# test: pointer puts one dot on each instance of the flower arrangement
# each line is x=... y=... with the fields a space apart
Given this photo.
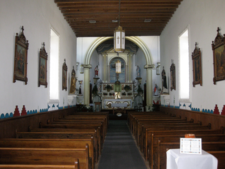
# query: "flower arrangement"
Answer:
x=127 y=88
x=108 y=88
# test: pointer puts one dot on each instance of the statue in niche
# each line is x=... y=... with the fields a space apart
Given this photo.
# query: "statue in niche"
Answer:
x=96 y=71
x=73 y=82
x=138 y=71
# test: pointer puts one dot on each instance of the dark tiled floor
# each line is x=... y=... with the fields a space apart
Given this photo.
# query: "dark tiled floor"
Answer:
x=119 y=149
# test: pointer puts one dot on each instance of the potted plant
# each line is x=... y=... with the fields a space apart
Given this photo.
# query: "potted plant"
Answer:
x=108 y=88
x=127 y=88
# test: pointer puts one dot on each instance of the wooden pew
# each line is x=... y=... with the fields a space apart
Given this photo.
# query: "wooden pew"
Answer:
x=77 y=126
x=220 y=155
x=138 y=126
x=143 y=127
x=50 y=143
x=82 y=121
x=26 y=166
x=95 y=132
x=163 y=147
x=148 y=116
x=149 y=146
x=45 y=156
x=94 y=149
x=93 y=118
x=149 y=131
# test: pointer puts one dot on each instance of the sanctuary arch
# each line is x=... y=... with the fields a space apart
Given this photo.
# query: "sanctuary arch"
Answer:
x=149 y=66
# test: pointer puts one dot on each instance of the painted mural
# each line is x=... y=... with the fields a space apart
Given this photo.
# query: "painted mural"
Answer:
x=122 y=75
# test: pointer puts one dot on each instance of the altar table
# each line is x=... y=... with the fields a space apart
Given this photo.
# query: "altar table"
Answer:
x=119 y=107
x=175 y=160
x=107 y=103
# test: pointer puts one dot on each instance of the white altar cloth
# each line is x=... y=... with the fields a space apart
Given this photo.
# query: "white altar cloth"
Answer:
x=117 y=101
x=175 y=160
x=119 y=105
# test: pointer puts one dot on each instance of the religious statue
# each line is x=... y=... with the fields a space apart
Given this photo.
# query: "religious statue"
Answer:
x=117 y=89
x=73 y=82
x=80 y=90
x=96 y=71
x=156 y=91
x=164 y=83
x=138 y=71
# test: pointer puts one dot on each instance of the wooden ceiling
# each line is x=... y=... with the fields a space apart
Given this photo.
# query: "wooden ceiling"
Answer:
x=78 y=13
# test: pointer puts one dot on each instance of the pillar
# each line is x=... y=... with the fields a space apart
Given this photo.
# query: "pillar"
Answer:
x=130 y=66
x=149 y=86
x=87 y=68
x=104 y=65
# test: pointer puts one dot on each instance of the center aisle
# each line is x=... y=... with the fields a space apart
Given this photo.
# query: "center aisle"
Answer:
x=119 y=149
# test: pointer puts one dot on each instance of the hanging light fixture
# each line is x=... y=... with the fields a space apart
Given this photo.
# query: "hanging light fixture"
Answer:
x=119 y=37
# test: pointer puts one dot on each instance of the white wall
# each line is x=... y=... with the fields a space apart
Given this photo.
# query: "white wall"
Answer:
x=94 y=63
x=201 y=17
x=37 y=17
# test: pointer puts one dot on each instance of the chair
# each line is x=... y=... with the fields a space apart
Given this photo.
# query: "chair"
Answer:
x=99 y=106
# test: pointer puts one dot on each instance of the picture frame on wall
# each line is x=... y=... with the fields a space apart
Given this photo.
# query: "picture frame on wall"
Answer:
x=42 y=75
x=20 y=57
x=197 y=66
x=218 y=47
x=64 y=76
x=172 y=77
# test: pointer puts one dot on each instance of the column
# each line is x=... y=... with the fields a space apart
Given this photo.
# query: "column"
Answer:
x=149 y=86
x=104 y=66
x=108 y=73
x=130 y=66
x=127 y=71
x=87 y=68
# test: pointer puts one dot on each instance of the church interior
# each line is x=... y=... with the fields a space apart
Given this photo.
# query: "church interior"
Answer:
x=97 y=84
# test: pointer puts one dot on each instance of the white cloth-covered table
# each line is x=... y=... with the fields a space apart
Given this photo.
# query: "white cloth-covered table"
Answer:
x=119 y=105
x=175 y=160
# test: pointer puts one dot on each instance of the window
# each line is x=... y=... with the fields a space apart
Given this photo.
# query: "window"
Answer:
x=54 y=66
x=184 y=66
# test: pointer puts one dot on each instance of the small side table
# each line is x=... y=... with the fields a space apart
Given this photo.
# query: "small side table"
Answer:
x=175 y=160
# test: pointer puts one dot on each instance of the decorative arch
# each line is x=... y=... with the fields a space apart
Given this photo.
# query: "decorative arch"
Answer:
x=134 y=39
x=149 y=65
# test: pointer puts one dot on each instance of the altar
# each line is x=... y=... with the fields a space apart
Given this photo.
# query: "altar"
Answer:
x=108 y=96
x=108 y=103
